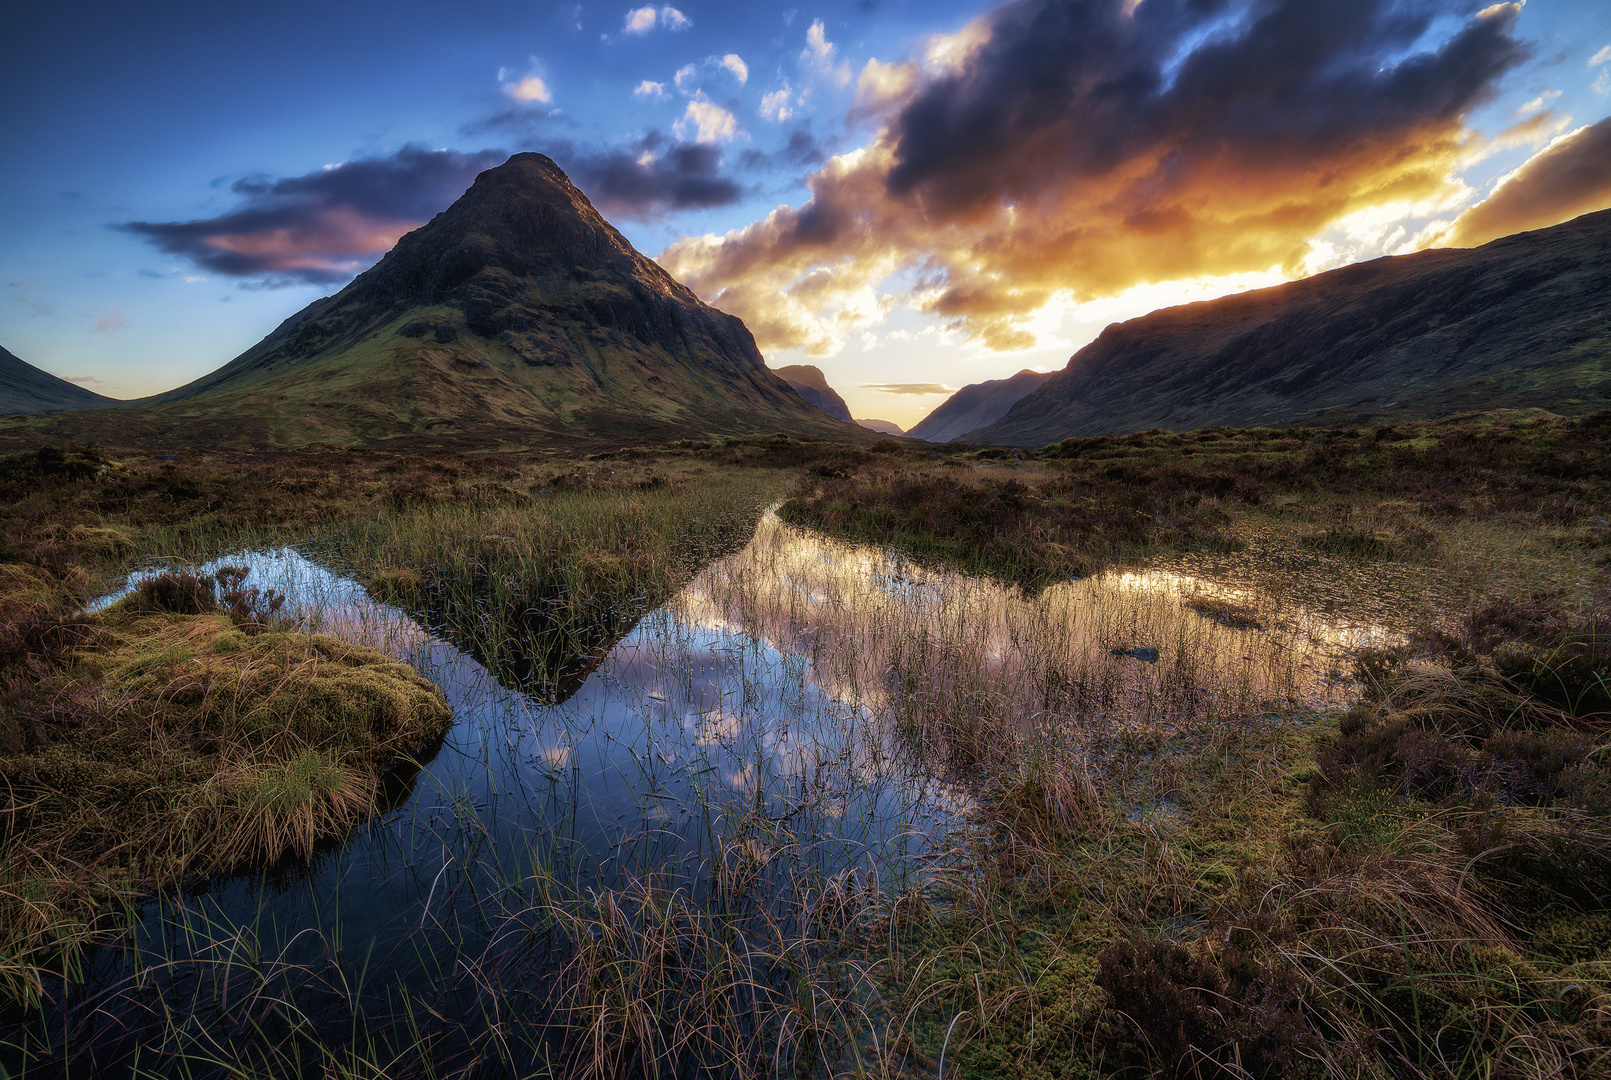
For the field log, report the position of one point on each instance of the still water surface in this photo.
(759, 725)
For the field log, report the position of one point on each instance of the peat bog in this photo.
(1230, 752)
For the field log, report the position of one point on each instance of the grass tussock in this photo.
(187, 733)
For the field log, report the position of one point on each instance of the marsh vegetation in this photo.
(1226, 753)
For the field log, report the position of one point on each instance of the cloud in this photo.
(917, 388)
(640, 21)
(1569, 177)
(704, 121)
(111, 322)
(817, 58)
(684, 78)
(647, 89)
(1601, 57)
(325, 226)
(777, 105)
(651, 177)
(82, 379)
(734, 63)
(531, 88)
(1086, 146)
(800, 150)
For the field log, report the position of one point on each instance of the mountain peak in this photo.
(517, 304)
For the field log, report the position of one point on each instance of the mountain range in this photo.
(976, 405)
(1522, 321)
(520, 316)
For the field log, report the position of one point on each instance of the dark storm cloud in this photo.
(325, 226)
(1569, 178)
(801, 151)
(1091, 145)
(1065, 90)
(654, 176)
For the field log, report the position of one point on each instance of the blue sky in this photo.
(909, 195)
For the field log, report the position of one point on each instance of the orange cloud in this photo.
(1569, 177)
(1072, 146)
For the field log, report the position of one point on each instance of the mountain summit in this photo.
(518, 306)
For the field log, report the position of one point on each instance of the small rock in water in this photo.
(1144, 653)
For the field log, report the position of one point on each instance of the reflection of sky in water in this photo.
(748, 720)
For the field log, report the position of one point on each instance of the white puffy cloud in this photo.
(777, 106)
(640, 21)
(704, 121)
(685, 78)
(819, 55)
(734, 63)
(530, 88)
(647, 89)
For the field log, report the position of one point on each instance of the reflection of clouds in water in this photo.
(864, 619)
(318, 601)
(718, 727)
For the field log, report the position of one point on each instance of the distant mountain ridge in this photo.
(518, 307)
(27, 389)
(976, 405)
(1522, 321)
(883, 427)
(810, 383)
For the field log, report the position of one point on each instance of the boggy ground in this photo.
(1413, 887)
(1418, 886)
(195, 727)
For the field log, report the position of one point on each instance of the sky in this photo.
(910, 195)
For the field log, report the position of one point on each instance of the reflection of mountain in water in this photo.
(546, 648)
(549, 638)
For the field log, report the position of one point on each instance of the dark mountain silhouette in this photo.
(26, 389)
(1519, 322)
(976, 405)
(883, 427)
(809, 382)
(518, 308)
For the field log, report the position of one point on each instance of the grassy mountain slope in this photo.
(26, 389)
(976, 405)
(1520, 322)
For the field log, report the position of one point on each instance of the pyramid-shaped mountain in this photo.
(27, 389)
(517, 308)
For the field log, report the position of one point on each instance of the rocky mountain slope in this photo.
(976, 405)
(26, 389)
(809, 382)
(518, 313)
(1520, 322)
